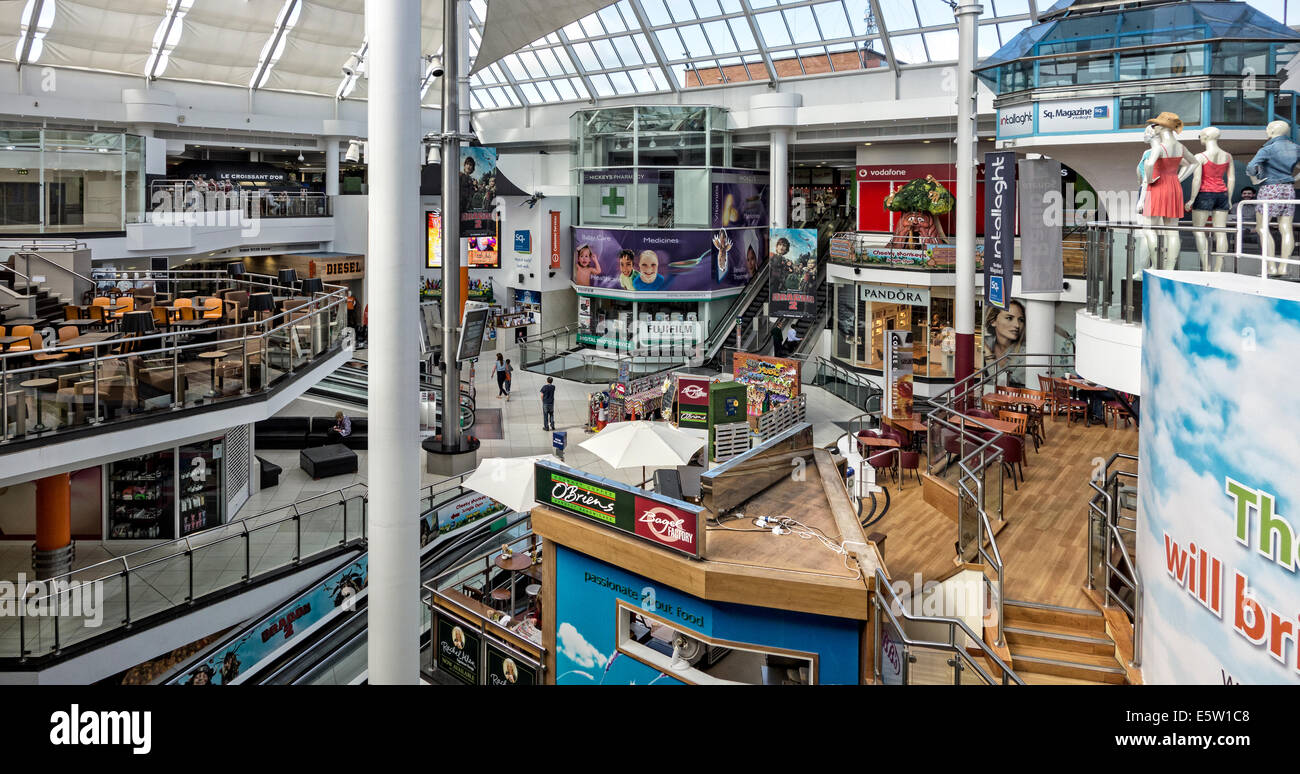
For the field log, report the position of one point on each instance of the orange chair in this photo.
(39, 355)
(68, 333)
(160, 318)
(102, 301)
(71, 312)
(180, 305)
(23, 331)
(212, 309)
(124, 304)
(98, 314)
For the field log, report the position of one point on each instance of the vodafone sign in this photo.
(666, 525)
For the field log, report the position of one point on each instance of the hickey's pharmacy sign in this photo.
(659, 520)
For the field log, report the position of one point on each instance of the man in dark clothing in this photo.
(548, 404)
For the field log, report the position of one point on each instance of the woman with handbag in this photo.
(509, 371)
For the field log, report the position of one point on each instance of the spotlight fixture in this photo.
(300, 157)
(435, 154)
(354, 151)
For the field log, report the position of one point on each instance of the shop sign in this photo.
(1076, 115)
(524, 242)
(1016, 121)
(458, 648)
(650, 332)
(894, 294)
(555, 239)
(906, 171)
(999, 226)
(506, 668)
(693, 402)
(658, 520)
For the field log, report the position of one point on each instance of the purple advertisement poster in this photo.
(739, 198)
(644, 260)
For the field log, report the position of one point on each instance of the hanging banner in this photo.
(433, 239)
(898, 374)
(1041, 269)
(478, 187)
(999, 226)
(793, 272)
(635, 260)
(555, 239)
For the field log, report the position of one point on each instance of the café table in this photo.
(35, 322)
(516, 562)
(913, 425)
(876, 442)
(35, 386)
(215, 356)
(1083, 386)
(92, 340)
(5, 341)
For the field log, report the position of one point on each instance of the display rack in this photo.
(139, 498)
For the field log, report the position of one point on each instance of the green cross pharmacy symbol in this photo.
(613, 200)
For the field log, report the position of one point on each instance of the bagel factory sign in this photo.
(656, 519)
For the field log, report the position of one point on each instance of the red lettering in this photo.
(1175, 560)
(1279, 632)
(1254, 629)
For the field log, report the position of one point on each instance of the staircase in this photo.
(48, 305)
(1060, 646)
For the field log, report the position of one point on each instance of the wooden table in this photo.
(32, 321)
(988, 424)
(912, 424)
(7, 340)
(876, 442)
(83, 322)
(1082, 386)
(89, 339)
(1015, 400)
(35, 386)
(515, 562)
(215, 356)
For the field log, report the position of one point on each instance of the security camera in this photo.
(350, 66)
(435, 66)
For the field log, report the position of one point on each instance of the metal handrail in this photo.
(28, 254)
(715, 340)
(1108, 517)
(892, 607)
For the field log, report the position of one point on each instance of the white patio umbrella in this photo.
(508, 480)
(643, 444)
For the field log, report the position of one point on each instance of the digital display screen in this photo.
(483, 253)
(472, 328)
(433, 239)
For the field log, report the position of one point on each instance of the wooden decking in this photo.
(1044, 544)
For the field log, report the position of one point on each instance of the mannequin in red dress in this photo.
(1166, 167)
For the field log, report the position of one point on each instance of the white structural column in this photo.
(1040, 333)
(331, 166)
(393, 474)
(968, 12)
(780, 190)
(780, 112)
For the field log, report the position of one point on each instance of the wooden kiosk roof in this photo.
(752, 567)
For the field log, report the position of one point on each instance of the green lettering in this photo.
(1244, 497)
(1270, 524)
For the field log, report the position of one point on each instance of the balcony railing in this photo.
(68, 387)
(182, 201)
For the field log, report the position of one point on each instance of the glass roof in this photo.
(636, 47)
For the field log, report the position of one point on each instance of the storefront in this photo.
(162, 495)
(864, 311)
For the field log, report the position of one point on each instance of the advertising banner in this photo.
(898, 374)
(999, 226)
(478, 187)
(1218, 521)
(433, 239)
(505, 667)
(693, 401)
(628, 509)
(1041, 268)
(636, 260)
(769, 381)
(739, 198)
(469, 508)
(1076, 115)
(279, 627)
(555, 239)
(523, 242)
(1016, 121)
(458, 649)
(793, 272)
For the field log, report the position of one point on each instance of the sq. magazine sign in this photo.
(660, 520)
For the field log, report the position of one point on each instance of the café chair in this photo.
(24, 331)
(72, 312)
(68, 333)
(1013, 456)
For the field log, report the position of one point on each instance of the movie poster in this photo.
(632, 260)
(478, 187)
(793, 268)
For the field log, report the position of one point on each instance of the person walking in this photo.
(501, 376)
(509, 372)
(548, 404)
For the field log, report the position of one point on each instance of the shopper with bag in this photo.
(509, 371)
(501, 376)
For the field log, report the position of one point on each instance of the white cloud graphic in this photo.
(577, 649)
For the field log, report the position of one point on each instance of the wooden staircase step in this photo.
(1028, 616)
(1061, 638)
(1085, 666)
(1037, 678)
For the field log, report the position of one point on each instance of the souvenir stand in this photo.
(771, 381)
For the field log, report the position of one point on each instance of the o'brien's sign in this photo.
(660, 520)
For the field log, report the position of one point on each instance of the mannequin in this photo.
(1213, 182)
(1169, 164)
(1273, 170)
(1148, 235)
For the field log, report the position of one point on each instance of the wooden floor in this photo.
(1044, 544)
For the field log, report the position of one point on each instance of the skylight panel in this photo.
(772, 27)
(899, 15)
(803, 27)
(165, 38)
(942, 45)
(831, 19)
(720, 37)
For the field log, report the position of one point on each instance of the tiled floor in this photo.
(167, 582)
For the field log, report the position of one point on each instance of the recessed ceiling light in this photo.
(247, 148)
(927, 142)
(866, 143)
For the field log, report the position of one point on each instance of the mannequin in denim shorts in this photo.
(1273, 169)
(1212, 186)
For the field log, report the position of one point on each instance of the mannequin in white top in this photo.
(1164, 194)
(1216, 174)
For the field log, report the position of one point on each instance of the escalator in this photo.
(349, 385)
(338, 657)
(320, 631)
